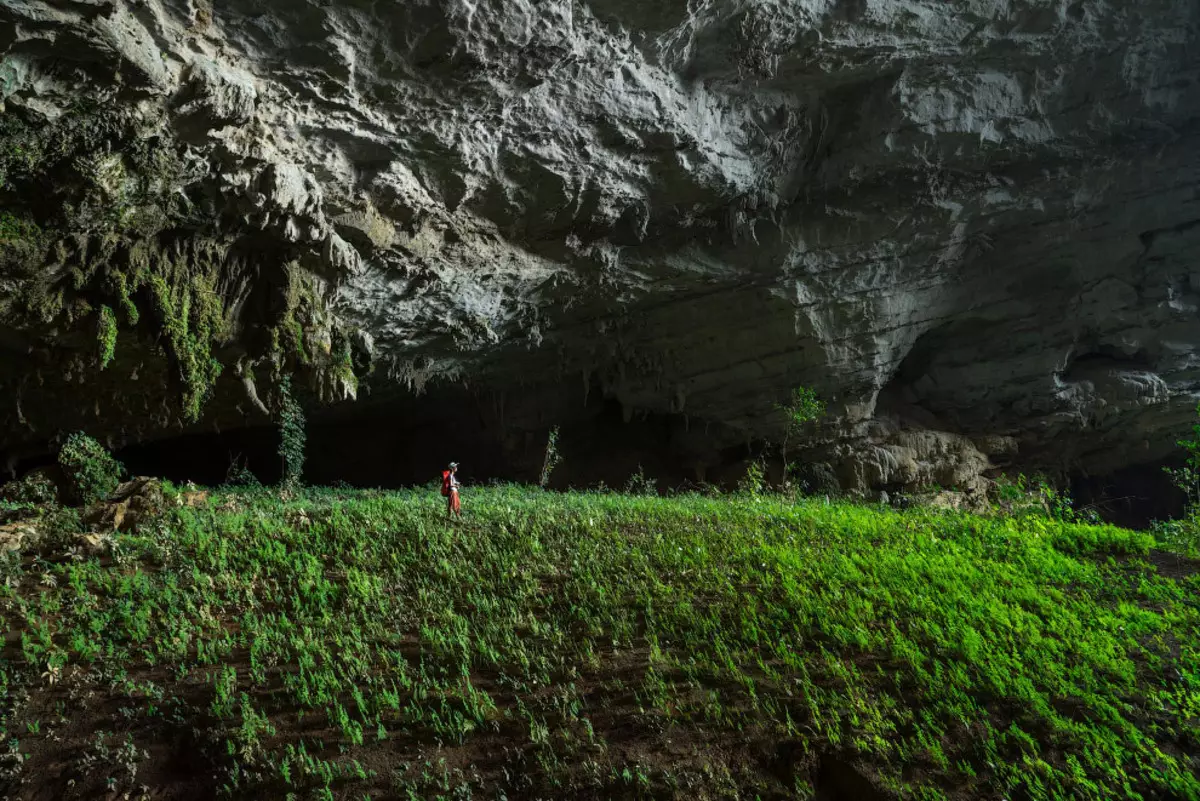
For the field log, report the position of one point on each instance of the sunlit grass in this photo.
(345, 642)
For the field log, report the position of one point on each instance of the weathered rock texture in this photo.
(972, 216)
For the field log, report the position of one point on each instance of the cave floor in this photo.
(354, 644)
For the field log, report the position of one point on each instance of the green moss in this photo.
(193, 319)
(112, 179)
(343, 362)
(120, 287)
(15, 230)
(297, 334)
(299, 314)
(106, 334)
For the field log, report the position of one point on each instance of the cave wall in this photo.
(977, 217)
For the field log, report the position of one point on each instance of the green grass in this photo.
(355, 645)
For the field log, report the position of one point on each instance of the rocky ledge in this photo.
(972, 226)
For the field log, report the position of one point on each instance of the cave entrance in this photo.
(405, 440)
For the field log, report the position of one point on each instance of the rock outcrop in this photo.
(979, 217)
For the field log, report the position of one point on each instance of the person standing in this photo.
(450, 491)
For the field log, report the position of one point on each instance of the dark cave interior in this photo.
(406, 440)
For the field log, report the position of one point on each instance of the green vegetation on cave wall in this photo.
(108, 263)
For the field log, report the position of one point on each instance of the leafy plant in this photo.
(35, 488)
(106, 334)
(751, 484)
(239, 474)
(641, 484)
(1036, 496)
(1183, 535)
(803, 407)
(291, 435)
(91, 470)
(551, 459)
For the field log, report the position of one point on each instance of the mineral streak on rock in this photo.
(978, 217)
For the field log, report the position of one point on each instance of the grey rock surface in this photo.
(979, 217)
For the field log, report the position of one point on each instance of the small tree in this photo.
(291, 435)
(552, 458)
(803, 407)
(751, 483)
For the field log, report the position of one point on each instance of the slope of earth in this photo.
(356, 645)
(978, 216)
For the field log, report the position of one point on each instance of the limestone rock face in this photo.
(977, 216)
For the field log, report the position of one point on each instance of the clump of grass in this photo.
(352, 643)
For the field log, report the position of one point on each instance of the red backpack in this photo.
(446, 483)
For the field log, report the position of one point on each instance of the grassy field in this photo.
(355, 645)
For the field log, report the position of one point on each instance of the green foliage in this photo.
(114, 186)
(1187, 478)
(751, 484)
(641, 484)
(239, 474)
(36, 488)
(551, 459)
(92, 472)
(956, 656)
(16, 230)
(291, 435)
(301, 306)
(342, 362)
(193, 319)
(802, 408)
(1183, 535)
(1036, 496)
(119, 286)
(106, 334)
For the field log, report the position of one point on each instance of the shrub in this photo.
(1187, 478)
(641, 484)
(1183, 535)
(552, 458)
(751, 483)
(35, 488)
(291, 435)
(91, 471)
(1037, 497)
(239, 474)
(106, 334)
